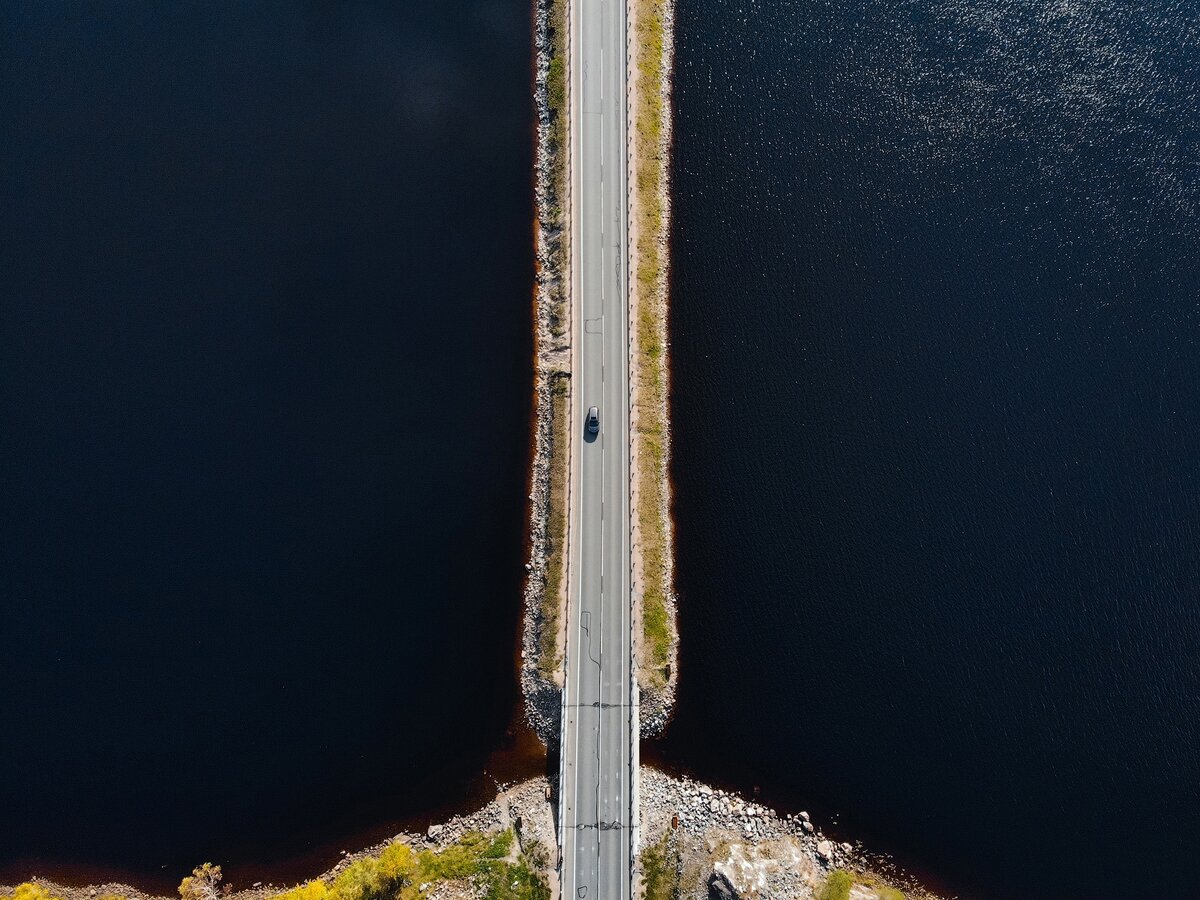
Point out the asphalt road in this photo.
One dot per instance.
(597, 749)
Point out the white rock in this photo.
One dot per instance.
(825, 850)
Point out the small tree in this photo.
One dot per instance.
(202, 884)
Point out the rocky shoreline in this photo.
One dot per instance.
(543, 692)
(524, 807)
(725, 846)
(720, 846)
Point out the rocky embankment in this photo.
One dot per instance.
(540, 653)
(724, 846)
(525, 807)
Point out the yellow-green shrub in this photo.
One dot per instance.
(397, 871)
(28, 891)
(312, 890)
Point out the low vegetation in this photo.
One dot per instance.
(650, 177)
(28, 891)
(203, 884)
(837, 886)
(490, 866)
(660, 870)
(552, 299)
(549, 653)
(32, 891)
(557, 95)
(488, 863)
(882, 889)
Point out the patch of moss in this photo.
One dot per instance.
(837, 886)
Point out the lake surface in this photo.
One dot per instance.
(265, 388)
(936, 356)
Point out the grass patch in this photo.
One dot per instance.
(549, 654)
(650, 125)
(660, 870)
(558, 98)
(884, 890)
(837, 886)
(397, 873)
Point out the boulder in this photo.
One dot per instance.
(825, 851)
(719, 888)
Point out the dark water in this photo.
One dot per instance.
(936, 353)
(265, 370)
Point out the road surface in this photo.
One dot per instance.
(596, 809)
